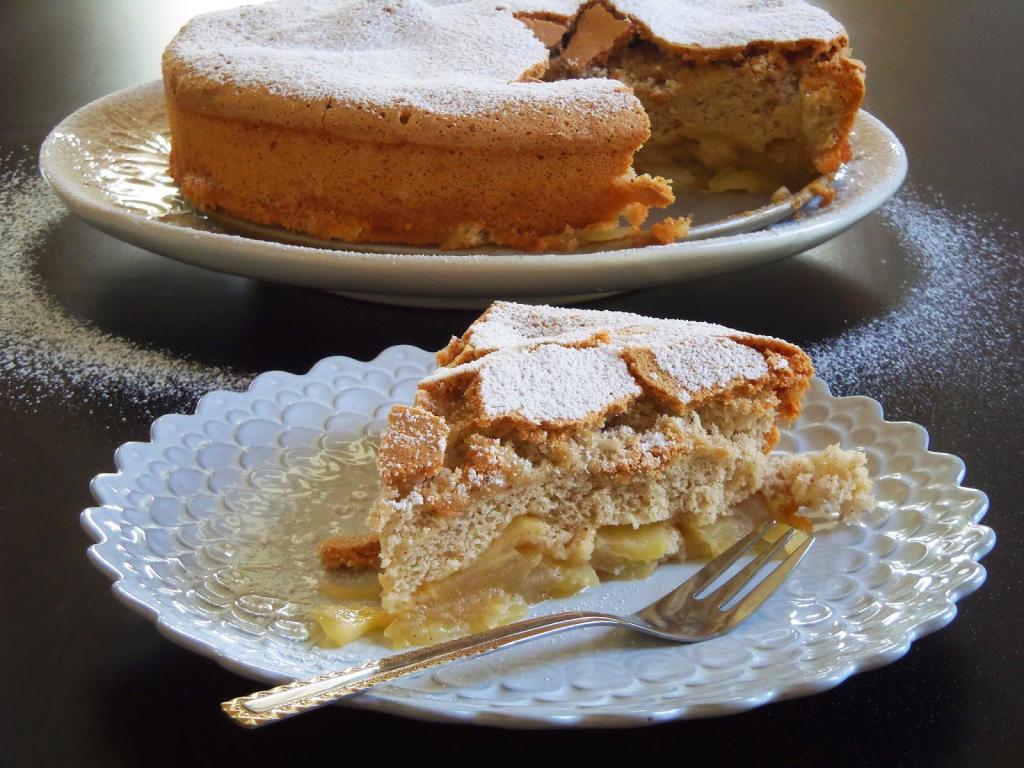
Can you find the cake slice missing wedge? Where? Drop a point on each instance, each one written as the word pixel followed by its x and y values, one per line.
pixel 554 447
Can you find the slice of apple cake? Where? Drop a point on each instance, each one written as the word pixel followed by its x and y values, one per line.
pixel 553 445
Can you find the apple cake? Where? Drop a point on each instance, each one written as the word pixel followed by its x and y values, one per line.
pixel 554 447
pixel 457 124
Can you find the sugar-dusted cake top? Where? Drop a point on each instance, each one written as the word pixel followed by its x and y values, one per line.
pixel 552 383
pixel 710 24
pixel 440 57
pixel 552 367
pixel 507 324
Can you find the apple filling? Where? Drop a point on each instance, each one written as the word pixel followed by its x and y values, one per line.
pixel 515 571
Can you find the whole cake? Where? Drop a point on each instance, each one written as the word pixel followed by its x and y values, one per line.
pixel 556 445
pixel 433 122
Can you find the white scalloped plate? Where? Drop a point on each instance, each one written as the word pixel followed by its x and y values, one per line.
pixel 177 518
pixel 108 163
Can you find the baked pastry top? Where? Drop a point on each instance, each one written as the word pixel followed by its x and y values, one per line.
pixel 460 123
pixel 409 69
pixel 538 367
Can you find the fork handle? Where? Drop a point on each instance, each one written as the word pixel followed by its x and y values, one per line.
pixel 268 706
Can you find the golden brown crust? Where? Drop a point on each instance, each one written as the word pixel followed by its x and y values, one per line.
pixel 840 89
pixel 330 187
pixel 790 381
pixel 356 552
pixel 412 449
pixel 528 127
pixel 658 384
pixel 788 368
pixel 789 372
pixel 547 31
pixel 448 354
pixel 595 35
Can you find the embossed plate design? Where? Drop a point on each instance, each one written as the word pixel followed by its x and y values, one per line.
pixel 210 530
pixel 108 162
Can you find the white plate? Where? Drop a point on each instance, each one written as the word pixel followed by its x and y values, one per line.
pixel 197 534
pixel 108 162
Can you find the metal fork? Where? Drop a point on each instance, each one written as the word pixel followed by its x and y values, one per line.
pixel 698 609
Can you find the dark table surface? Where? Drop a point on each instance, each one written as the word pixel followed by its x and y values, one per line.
pixel 85 681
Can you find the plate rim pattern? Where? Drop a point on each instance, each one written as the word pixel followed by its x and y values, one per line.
pixel 406 702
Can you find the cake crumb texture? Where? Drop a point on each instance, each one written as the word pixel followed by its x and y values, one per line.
pixel 581 419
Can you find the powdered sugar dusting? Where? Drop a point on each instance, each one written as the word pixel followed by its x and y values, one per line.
pixel 449 57
pixel 531 367
pixel 439 56
pixel 955 328
pixel 704 362
pixel 46 352
pixel 715 23
pixel 507 324
pixel 553 383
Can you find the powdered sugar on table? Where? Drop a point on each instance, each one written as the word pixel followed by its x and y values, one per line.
pixel 45 351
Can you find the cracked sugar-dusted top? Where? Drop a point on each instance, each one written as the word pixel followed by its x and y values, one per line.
pixel 375 68
pixel 727 24
pixel 549 366
pixel 360 65
pixel 711 24
pixel 445 56
pixel 554 384
pixel 506 324
pixel 699 363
